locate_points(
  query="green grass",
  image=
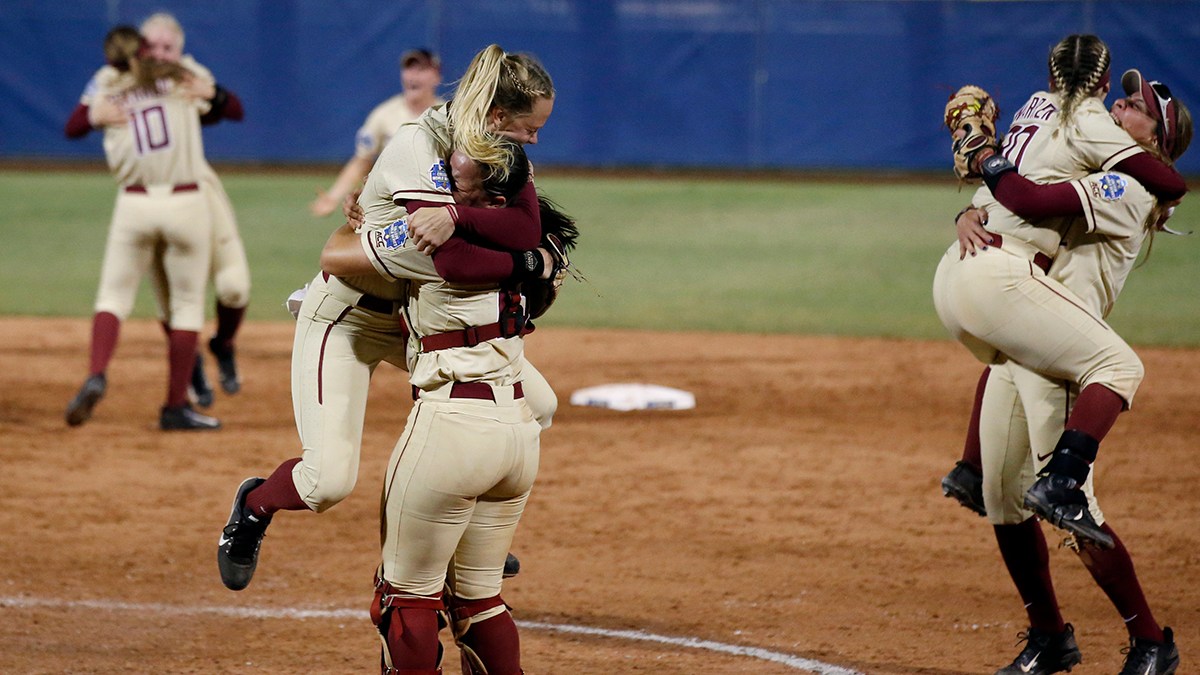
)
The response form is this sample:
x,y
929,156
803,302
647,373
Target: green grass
x,y
770,256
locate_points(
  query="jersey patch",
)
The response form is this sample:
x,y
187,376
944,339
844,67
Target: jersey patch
x,y
1110,187
364,142
437,172
393,236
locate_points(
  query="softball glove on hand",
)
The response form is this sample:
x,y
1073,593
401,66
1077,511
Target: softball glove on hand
x,y
559,235
971,114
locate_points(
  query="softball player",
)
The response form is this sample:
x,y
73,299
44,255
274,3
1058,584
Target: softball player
x,y
461,473
420,75
230,270
1021,412
150,111
349,324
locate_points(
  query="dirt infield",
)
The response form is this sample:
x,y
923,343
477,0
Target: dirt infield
x,y
795,511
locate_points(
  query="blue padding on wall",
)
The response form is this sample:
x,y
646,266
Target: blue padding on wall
x,y
791,84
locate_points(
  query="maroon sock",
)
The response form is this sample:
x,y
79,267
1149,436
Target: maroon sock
x,y
106,328
1023,548
1095,411
412,640
1114,574
972,448
496,643
229,319
182,356
278,493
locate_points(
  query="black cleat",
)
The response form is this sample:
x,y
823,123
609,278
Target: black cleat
x,y
79,410
1143,657
230,381
964,484
201,390
512,567
237,550
1059,500
1045,653
183,418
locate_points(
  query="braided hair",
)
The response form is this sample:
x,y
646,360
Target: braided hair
x,y
1078,68
495,79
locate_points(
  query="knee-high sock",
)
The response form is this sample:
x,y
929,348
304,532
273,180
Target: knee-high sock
x,y
1114,574
1095,411
182,355
106,328
496,643
971,448
229,319
1023,548
278,493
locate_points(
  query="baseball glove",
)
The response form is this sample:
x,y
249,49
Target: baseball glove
x,y
559,235
971,114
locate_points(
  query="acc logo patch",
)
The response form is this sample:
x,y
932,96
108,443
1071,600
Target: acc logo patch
x,y
393,236
1111,187
437,172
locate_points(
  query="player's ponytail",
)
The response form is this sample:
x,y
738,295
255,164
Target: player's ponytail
x,y
1078,69
494,80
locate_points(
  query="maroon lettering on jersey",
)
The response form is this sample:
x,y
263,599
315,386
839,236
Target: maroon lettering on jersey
x,y
1037,108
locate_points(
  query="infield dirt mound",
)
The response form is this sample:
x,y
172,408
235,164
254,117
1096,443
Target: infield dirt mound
x,y
796,509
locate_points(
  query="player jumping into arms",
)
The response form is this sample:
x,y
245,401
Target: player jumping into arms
x,y
1019,412
348,325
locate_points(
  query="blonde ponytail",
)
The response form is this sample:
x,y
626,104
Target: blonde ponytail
x,y
468,117
495,79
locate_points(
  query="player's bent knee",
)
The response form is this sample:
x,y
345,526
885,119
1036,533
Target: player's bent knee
x,y
322,491
231,292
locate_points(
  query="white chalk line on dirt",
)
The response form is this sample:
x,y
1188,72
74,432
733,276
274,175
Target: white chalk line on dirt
x,y
297,613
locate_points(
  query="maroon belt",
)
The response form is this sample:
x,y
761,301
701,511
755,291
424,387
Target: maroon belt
x,y
1040,259
468,337
477,390
182,187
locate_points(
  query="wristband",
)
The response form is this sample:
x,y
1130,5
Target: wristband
x,y
528,265
993,167
220,98
968,207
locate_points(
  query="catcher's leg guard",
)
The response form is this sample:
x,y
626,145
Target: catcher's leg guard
x,y
486,636
408,627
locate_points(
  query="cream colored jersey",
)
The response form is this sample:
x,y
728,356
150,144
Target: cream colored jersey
x,y
381,123
414,167
1101,248
1045,151
160,144
436,306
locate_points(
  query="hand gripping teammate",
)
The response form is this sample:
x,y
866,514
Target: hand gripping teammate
x,y
161,212
1111,222
1056,136
420,75
348,325
230,272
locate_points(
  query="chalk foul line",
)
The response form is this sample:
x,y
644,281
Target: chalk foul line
x,y
789,660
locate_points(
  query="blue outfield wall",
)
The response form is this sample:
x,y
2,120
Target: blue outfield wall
x,y
788,84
